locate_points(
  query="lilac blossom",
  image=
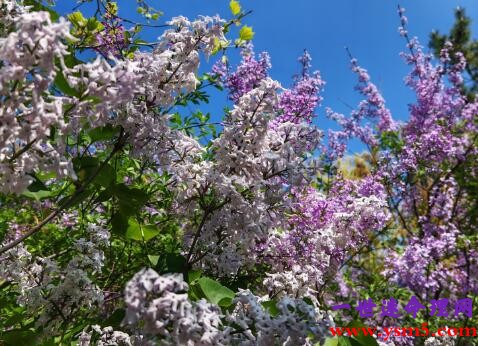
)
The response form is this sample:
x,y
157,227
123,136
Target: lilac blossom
x,y
111,39
298,104
247,75
322,230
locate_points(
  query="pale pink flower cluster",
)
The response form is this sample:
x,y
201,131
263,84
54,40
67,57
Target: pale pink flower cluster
x,y
126,92
106,336
28,110
158,305
57,291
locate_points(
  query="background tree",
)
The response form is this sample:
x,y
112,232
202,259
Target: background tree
x,y
461,37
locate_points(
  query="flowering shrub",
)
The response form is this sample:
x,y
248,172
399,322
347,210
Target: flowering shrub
x,y
125,221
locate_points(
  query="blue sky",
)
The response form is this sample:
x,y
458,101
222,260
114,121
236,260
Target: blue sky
x,y
324,28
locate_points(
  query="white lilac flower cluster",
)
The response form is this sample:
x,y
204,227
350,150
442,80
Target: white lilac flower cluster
x,y
165,75
28,110
106,336
250,160
445,340
104,90
158,305
299,281
251,164
170,70
57,292
295,323
123,93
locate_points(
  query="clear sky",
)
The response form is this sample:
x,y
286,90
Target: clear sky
x,y
367,27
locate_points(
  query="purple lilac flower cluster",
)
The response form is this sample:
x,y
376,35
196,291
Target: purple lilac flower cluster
x,y
299,103
248,74
111,40
418,169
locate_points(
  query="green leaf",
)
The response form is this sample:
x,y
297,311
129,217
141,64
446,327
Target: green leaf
x,y
175,263
235,7
135,231
153,259
106,176
361,339
344,341
355,342
86,166
331,342
61,84
75,201
271,307
112,8
119,224
217,46
176,119
193,275
391,140
19,337
115,319
37,6
130,199
37,190
246,33
214,291
77,19
71,61
225,302
102,133
38,195
93,24
105,195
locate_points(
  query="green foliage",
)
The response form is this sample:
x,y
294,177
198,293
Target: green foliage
x,y
130,199
22,337
38,190
85,29
219,45
271,307
148,12
391,140
214,292
361,339
461,38
112,8
77,19
331,342
235,7
38,6
246,33
61,84
104,133
88,167
139,232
